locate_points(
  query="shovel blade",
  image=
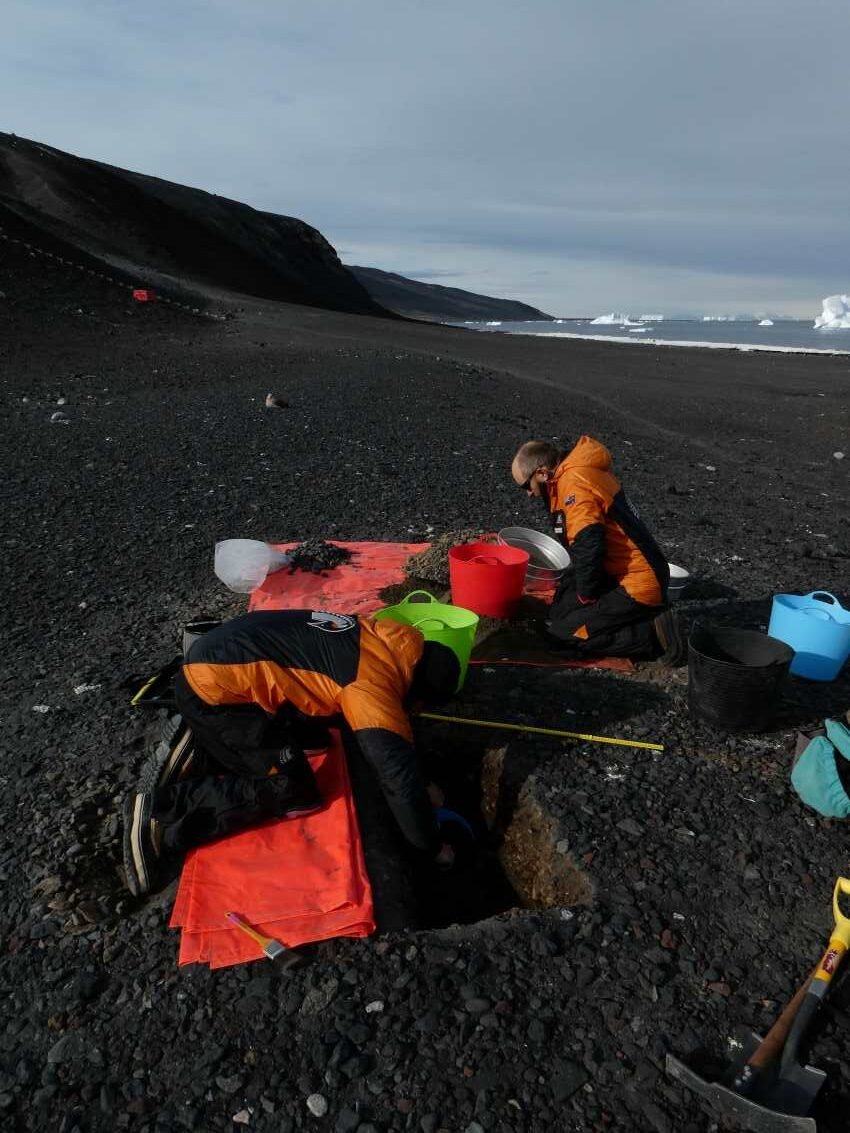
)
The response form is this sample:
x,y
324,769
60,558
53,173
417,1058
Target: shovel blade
x,y
795,1089
747,1113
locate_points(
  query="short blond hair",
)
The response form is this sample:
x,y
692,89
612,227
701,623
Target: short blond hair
x,y
536,454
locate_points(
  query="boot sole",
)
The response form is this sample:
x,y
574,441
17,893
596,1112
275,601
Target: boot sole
x,y
170,760
137,816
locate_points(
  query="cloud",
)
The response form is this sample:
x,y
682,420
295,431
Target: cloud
x,y
621,148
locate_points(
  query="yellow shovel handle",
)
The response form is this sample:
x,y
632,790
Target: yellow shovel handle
x,y
841,932
839,940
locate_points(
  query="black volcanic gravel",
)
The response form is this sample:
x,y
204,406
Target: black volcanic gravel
x,y
711,883
317,555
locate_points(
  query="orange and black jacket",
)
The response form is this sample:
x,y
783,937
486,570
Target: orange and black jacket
x,y
327,664
608,543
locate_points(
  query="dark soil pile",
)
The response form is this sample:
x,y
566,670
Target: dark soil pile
x,y
316,556
432,566
701,885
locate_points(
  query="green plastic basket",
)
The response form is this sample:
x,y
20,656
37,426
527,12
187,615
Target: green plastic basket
x,y
436,621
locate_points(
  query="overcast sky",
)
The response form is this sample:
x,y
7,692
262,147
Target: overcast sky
x,y
637,155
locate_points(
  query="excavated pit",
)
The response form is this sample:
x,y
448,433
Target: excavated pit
x,y
516,860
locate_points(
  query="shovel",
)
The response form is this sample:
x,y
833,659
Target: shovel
x,y
766,1089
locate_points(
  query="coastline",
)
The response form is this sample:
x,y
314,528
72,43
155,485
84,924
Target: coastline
x,y
745,348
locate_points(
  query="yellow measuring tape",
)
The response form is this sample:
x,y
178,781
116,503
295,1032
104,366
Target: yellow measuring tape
x,y
542,731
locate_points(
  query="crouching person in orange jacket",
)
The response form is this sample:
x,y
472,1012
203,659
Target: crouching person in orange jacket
x,y
246,691
614,601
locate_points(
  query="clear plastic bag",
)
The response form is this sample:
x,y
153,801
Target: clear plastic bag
x,y
242,564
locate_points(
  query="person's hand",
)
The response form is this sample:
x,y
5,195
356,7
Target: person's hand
x,y
436,794
445,859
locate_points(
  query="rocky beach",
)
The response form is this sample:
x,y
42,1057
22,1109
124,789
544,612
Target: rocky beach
x,y
657,900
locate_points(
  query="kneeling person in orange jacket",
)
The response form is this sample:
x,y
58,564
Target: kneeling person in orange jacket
x,y
246,690
614,602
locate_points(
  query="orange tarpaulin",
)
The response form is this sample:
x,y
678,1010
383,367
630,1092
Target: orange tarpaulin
x,y
352,587
297,880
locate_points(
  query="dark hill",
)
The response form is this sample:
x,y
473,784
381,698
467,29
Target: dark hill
x,y
430,301
162,233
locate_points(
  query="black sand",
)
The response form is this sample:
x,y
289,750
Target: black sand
x,y
707,885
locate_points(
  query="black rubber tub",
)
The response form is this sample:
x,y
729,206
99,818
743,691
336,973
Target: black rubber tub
x,y
735,677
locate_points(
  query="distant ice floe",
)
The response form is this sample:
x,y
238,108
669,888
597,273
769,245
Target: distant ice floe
x,y
766,323
606,320
614,319
835,314
718,318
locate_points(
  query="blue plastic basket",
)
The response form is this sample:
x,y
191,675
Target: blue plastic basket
x,y
817,627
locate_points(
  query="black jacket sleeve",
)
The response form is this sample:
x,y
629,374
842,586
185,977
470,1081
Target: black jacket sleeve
x,y
587,550
394,761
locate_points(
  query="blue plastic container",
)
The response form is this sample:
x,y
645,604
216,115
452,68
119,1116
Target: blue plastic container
x,y
817,627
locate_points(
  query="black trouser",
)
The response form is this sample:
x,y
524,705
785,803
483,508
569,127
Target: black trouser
x,y
615,625
231,788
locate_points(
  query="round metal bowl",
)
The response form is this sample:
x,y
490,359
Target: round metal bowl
x,y
679,579
548,559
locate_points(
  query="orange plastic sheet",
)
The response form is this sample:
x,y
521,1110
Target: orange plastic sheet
x,y
298,880
352,587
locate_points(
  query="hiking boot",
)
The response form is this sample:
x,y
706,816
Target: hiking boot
x,y
674,651
306,798
172,759
142,843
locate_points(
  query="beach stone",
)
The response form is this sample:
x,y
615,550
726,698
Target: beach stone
x,y
68,1047
631,827
318,998
476,1005
317,1105
347,1121
567,1080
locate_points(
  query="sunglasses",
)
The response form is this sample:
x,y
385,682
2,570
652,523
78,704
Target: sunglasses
x,y
525,486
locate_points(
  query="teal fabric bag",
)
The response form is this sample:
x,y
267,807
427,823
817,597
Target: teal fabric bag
x,y
815,778
839,735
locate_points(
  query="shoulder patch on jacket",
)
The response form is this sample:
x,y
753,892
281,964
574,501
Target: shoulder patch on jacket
x,y
569,500
331,623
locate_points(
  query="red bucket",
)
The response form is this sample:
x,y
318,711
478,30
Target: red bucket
x,y
487,578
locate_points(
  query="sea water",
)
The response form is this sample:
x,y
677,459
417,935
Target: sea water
x,y
736,334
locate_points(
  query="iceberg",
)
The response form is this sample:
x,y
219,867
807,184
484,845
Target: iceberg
x,y
766,323
614,319
835,314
